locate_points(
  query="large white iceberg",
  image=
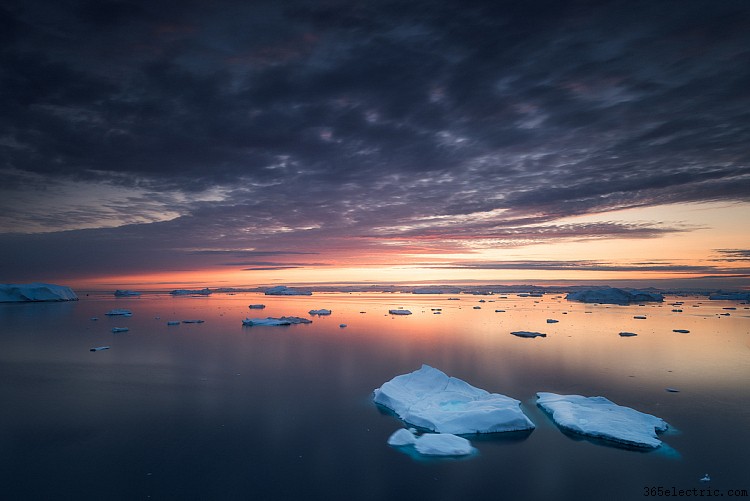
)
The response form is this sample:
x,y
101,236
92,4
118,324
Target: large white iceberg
x,y
283,290
16,293
429,399
601,418
611,295
432,444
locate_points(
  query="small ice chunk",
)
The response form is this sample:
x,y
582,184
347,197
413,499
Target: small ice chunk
x,y
528,334
672,390
193,321
173,322
499,311
600,418
120,329
126,293
640,317
99,348
477,307
399,312
681,331
706,478
94,318
342,325
552,321
443,444
320,312
119,311
402,437
257,306
628,334
191,292
432,444
430,399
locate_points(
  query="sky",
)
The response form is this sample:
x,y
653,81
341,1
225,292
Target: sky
x,y
234,143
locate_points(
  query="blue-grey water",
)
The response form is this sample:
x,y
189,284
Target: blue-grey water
x,y
216,410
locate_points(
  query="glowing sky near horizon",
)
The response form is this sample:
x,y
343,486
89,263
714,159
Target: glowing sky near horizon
x,y
246,143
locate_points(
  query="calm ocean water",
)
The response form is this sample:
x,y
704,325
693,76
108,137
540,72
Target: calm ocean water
x,y
220,411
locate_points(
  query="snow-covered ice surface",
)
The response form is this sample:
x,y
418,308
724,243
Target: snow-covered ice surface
x,y
430,399
613,295
17,293
601,418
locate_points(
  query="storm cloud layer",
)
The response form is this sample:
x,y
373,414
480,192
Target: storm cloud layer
x,y
300,130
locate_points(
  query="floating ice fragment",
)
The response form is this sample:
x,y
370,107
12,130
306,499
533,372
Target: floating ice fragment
x,y
552,321
628,334
99,348
120,329
399,312
528,334
173,322
681,331
342,325
402,437
640,317
320,312
271,321
706,478
126,292
600,418
119,311
477,307
193,321
257,306
672,390
443,444
428,398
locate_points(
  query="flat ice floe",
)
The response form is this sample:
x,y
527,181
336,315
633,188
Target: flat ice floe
x,y
601,418
320,312
119,312
399,312
17,293
432,444
429,399
275,321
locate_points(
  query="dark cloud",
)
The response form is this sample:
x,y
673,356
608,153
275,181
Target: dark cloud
x,y
267,125
584,265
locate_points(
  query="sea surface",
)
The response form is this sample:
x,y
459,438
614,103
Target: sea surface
x,y
219,411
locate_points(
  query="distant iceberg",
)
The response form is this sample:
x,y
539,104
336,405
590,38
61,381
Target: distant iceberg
x,y
257,306
17,293
429,399
399,312
600,418
191,292
611,295
275,321
432,444
126,293
320,312
283,290
731,296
